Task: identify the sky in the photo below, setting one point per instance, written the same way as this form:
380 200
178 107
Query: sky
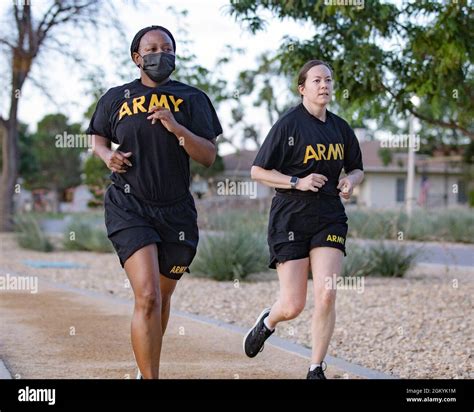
209 26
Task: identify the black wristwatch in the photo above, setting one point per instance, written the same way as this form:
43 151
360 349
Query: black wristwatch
293 182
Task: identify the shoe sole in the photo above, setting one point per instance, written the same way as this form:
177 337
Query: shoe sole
266 310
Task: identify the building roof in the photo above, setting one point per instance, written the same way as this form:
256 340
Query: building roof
424 163
239 163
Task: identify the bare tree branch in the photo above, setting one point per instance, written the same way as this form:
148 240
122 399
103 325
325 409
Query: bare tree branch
451 124
62 48
45 19
26 45
6 42
19 26
48 24
44 90
61 15
29 28
17 16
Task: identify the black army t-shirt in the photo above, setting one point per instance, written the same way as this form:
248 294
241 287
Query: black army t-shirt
160 165
299 144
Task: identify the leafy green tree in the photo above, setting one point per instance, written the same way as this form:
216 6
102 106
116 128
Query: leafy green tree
28 164
28 33
212 81
383 54
56 148
96 178
385 155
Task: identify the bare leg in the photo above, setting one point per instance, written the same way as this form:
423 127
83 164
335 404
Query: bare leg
144 274
325 261
293 276
167 287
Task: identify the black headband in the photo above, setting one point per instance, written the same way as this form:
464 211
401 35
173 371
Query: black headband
136 40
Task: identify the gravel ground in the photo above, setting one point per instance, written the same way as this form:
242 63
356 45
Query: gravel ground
417 327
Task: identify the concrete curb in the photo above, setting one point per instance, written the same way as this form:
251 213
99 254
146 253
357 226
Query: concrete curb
4 372
442 270
291 347
277 342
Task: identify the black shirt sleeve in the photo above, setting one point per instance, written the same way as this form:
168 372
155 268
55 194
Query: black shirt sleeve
204 120
100 122
272 152
352 153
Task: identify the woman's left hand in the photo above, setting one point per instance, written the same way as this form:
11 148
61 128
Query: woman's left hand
346 186
166 117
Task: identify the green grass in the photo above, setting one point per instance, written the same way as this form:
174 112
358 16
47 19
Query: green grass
46 215
85 235
357 262
251 219
390 260
233 255
383 260
448 225
59 215
29 234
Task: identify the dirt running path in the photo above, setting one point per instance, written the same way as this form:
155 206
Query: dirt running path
60 333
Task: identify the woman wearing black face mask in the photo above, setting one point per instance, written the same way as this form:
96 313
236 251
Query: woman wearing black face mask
150 215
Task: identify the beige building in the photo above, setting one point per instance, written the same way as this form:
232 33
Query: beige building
439 181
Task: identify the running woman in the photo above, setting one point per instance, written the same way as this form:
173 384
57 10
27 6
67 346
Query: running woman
150 215
302 158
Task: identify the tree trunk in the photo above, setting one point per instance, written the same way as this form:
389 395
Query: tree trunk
25 48
21 64
9 175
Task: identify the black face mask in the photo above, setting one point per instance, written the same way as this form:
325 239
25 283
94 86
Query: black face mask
158 66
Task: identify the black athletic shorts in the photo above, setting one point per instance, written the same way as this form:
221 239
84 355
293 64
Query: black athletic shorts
301 221
133 223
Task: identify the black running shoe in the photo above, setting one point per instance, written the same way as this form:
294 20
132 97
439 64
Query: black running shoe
318 372
255 338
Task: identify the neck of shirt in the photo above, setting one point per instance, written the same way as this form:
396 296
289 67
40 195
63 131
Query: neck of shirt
315 117
157 85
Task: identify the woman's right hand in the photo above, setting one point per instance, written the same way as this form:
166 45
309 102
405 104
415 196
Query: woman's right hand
311 182
117 161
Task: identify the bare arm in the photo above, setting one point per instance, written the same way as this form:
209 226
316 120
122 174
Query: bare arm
198 148
274 178
349 182
357 176
114 159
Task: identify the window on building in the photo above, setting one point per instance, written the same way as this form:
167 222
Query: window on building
400 195
462 192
